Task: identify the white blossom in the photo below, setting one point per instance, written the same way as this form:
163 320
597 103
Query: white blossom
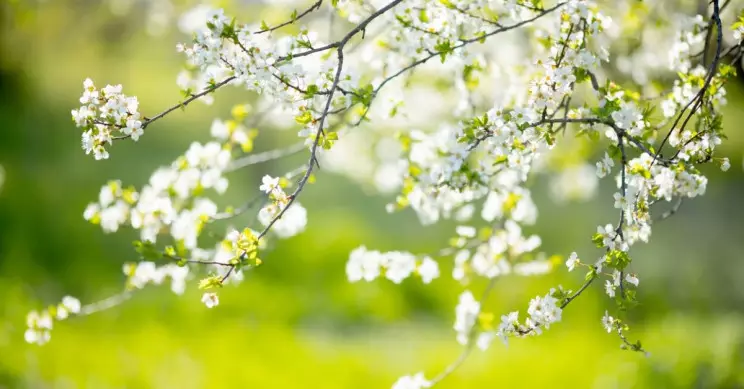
428 270
608 322
604 166
725 164
572 261
543 311
210 300
610 288
631 279
71 304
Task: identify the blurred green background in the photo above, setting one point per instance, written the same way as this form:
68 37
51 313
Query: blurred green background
296 322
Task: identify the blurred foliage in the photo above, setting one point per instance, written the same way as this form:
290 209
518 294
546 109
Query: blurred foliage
296 321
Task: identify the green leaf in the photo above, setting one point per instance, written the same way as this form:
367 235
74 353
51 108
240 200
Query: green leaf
598 240
304 118
617 259
147 250
423 16
312 90
447 3
210 282
444 47
363 95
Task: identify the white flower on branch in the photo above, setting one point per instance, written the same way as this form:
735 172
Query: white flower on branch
608 322
572 261
428 269
631 279
71 304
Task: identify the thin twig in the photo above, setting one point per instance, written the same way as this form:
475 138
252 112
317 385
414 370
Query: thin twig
314 7
106 303
672 211
182 104
265 156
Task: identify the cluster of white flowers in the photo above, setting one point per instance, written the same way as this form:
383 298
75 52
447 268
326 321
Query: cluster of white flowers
171 200
40 323
493 257
471 323
39 327
628 118
281 69
103 114
112 208
291 221
645 183
542 312
143 273
396 266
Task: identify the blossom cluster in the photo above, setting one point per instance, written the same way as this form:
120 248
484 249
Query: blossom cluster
172 199
494 256
105 113
292 220
473 324
396 266
143 273
281 69
40 323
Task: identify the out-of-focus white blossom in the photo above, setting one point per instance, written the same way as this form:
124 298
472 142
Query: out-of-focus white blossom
210 300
